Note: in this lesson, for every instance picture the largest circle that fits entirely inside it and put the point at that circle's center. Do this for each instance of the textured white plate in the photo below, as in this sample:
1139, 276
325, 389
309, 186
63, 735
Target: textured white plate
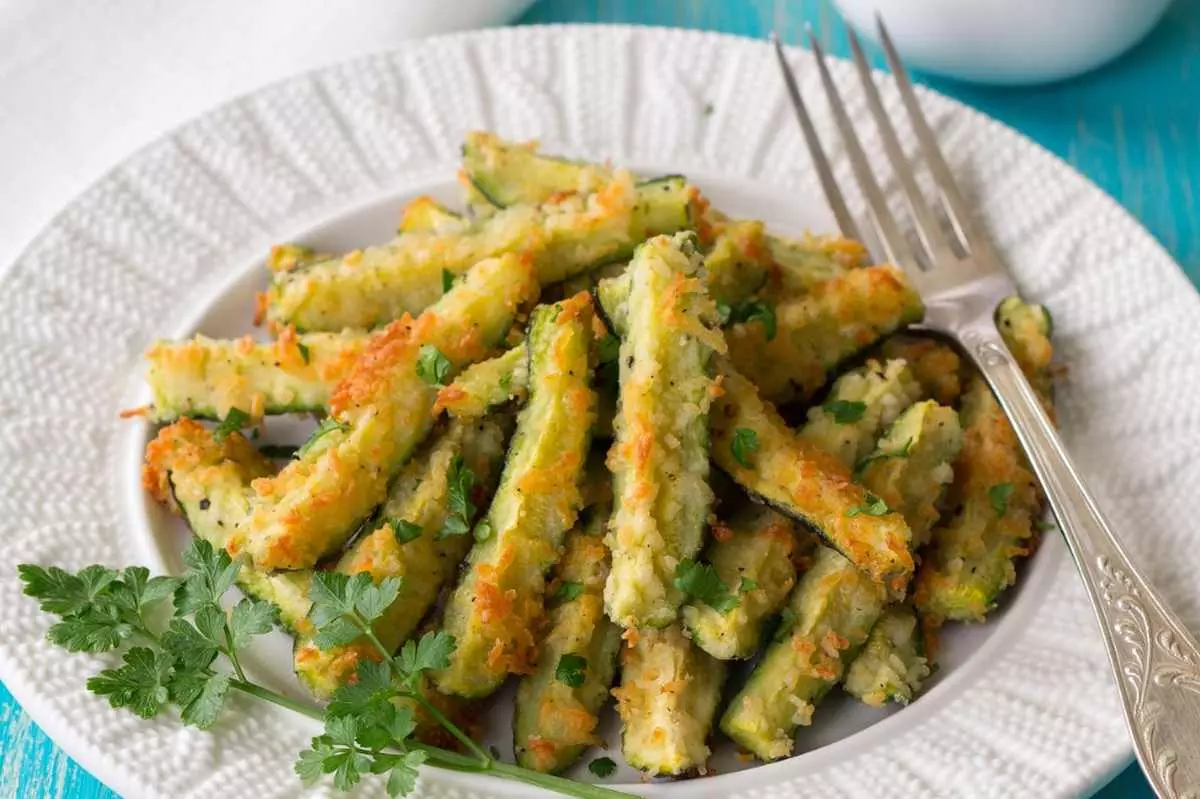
168, 242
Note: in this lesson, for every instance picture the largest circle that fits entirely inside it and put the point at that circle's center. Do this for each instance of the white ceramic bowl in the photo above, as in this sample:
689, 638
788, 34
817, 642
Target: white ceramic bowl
1007, 41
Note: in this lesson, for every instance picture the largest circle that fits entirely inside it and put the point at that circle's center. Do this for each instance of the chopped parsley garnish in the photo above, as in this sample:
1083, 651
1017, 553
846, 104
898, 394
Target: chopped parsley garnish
571, 670
568, 591
432, 366
999, 495
748, 311
845, 411
304, 351
602, 767
327, 426
234, 421
745, 444
904, 452
447, 280
747, 585
405, 530
873, 506
701, 582
461, 508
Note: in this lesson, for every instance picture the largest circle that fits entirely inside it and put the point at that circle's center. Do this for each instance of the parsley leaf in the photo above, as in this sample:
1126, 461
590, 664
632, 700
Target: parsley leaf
140, 684
210, 573
94, 630
745, 444
432, 366
402, 779
610, 348
191, 650
999, 495
746, 585
332, 610
61, 592
404, 530
602, 767
701, 582
845, 411
432, 651
447, 280
371, 600
327, 426
872, 506
748, 311
373, 681
200, 694
882, 455
249, 618
235, 420
461, 508
568, 591
143, 590
571, 670
506, 381
305, 353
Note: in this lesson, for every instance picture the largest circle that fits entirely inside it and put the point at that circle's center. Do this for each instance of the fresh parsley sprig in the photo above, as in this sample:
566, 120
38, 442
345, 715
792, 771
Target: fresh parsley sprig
180, 648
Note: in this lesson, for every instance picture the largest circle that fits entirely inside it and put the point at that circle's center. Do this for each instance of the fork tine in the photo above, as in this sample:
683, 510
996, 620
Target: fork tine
832, 193
928, 228
956, 208
893, 239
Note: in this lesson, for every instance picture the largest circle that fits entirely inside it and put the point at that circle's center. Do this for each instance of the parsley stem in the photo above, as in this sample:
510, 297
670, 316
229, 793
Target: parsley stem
567, 787
267, 695
451, 727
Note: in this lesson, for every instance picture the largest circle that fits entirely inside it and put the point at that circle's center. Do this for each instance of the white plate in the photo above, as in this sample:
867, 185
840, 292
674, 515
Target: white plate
169, 243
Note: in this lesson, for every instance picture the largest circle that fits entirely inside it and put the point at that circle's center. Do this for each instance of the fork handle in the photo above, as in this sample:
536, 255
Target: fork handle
1156, 660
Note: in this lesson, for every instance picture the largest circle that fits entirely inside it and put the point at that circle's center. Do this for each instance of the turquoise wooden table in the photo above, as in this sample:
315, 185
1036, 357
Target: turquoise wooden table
1133, 127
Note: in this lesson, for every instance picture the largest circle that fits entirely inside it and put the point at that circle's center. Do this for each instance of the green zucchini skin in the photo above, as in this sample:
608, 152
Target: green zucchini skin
667, 700
892, 665
425, 564
553, 722
753, 555
659, 459
208, 482
206, 378
369, 288
807, 483
486, 386
499, 598
834, 608
383, 408
913, 462
818, 330
507, 174
971, 559
881, 390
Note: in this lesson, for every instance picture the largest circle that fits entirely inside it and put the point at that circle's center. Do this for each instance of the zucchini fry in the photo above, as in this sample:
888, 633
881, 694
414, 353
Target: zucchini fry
207, 378
971, 559
558, 705
892, 666
936, 366
427, 215
371, 287
660, 458
498, 603
816, 331
753, 557
862, 402
801, 480
208, 483
378, 416
667, 700
486, 385
828, 617
913, 463
409, 539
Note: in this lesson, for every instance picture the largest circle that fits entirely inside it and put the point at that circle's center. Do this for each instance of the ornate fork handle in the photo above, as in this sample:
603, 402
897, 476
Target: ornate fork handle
1156, 660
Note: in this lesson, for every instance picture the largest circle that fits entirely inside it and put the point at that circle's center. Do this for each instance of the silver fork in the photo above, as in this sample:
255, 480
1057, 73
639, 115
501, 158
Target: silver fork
960, 277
